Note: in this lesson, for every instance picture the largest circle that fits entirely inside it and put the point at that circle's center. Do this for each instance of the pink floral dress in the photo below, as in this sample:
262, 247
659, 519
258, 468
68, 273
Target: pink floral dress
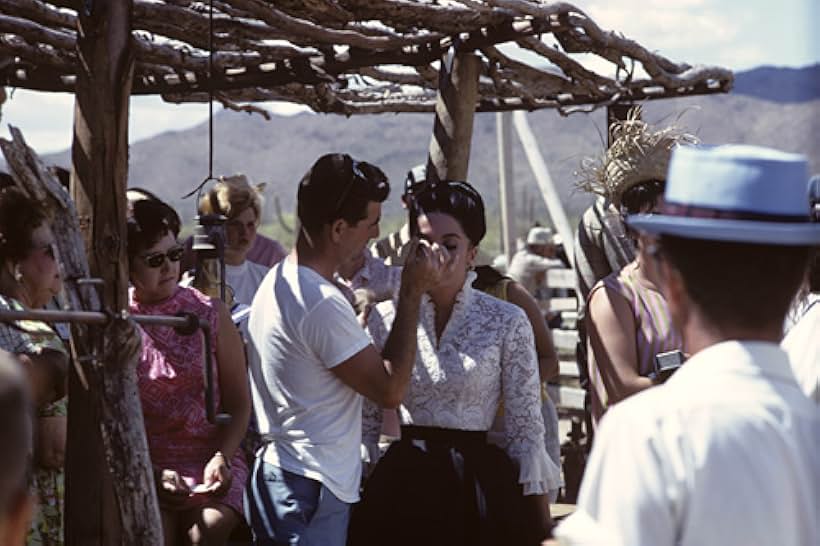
170, 375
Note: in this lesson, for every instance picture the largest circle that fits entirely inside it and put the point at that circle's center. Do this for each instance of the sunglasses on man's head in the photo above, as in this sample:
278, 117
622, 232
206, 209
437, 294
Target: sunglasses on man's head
355, 172
156, 259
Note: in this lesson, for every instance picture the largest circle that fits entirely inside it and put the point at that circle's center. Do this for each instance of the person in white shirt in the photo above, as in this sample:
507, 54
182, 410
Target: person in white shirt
530, 264
802, 341
241, 203
725, 452
443, 483
311, 361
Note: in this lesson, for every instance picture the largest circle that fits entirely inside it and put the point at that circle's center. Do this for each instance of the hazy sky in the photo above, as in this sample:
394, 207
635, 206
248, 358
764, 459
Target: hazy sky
738, 34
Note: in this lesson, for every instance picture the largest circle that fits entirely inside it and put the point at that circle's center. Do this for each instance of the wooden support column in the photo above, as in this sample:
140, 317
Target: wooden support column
506, 190
110, 494
545, 183
449, 154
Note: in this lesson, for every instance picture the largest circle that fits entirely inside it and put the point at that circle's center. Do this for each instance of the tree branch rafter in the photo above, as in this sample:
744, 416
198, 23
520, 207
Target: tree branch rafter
352, 56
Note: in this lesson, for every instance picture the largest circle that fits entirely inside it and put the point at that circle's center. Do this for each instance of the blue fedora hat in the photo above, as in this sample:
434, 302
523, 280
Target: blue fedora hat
744, 194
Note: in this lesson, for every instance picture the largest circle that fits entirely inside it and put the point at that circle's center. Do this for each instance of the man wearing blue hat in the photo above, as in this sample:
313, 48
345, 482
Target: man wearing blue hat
725, 452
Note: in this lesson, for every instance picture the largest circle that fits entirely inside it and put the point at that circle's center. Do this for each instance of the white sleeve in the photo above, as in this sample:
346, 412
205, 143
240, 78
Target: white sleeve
523, 422
629, 488
332, 331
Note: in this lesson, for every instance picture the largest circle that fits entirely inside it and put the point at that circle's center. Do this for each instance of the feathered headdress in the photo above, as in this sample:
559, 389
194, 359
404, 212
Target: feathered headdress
638, 153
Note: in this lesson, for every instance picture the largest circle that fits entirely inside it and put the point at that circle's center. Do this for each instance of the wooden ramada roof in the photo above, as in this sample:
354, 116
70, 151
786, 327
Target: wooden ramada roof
351, 56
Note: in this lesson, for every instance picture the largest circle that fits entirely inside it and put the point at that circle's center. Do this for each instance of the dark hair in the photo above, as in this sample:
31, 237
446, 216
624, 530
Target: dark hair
20, 215
814, 271
135, 194
741, 284
486, 277
150, 221
458, 199
339, 187
642, 195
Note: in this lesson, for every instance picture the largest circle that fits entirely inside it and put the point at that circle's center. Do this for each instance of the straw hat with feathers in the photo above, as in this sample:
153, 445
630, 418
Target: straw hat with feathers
639, 152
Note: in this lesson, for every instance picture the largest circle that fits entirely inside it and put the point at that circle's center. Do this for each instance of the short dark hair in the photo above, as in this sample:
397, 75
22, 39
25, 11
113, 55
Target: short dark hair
150, 221
741, 284
642, 195
339, 187
814, 271
20, 215
458, 199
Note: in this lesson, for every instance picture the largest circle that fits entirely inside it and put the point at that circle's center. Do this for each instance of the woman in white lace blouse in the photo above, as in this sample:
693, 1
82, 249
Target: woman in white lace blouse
443, 483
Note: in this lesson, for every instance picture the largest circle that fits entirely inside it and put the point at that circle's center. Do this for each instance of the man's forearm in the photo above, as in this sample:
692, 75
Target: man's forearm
399, 351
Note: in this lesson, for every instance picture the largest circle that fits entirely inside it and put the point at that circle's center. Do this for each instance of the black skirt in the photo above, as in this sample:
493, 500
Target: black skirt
443, 487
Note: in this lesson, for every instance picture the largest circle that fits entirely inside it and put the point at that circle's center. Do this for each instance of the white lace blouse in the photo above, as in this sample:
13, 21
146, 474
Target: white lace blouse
486, 355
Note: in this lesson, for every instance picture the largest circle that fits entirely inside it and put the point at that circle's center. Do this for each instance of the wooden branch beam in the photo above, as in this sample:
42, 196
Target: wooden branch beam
406, 15
42, 57
301, 30
33, 31
39, 12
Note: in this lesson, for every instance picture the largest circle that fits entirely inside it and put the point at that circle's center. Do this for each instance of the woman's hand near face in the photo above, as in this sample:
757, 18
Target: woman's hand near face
426, 265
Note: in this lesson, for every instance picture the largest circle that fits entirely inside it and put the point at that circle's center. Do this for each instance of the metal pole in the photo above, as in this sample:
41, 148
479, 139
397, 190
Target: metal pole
545, 183
95, 317
506, 190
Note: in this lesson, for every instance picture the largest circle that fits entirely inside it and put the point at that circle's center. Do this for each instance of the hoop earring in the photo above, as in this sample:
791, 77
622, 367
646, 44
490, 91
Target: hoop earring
18, 275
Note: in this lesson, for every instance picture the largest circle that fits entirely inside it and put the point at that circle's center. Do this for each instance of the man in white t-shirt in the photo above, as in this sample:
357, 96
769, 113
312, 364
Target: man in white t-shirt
725, 451
311, 361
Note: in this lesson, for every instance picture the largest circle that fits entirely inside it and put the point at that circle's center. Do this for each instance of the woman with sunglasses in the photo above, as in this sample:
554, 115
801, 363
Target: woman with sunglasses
627, 320
200, 470
443, 482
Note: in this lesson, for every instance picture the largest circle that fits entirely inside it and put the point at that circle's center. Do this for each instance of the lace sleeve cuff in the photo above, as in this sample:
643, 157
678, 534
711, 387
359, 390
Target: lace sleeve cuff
538, 474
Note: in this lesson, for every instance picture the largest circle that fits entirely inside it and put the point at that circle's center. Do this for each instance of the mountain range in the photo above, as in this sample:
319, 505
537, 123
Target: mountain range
778, 107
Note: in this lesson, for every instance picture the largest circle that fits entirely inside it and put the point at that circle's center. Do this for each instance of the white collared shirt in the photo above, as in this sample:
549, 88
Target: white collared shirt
802, 342
726, 452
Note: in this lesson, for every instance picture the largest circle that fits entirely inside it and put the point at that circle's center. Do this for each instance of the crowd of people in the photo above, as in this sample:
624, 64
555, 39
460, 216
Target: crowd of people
395, 393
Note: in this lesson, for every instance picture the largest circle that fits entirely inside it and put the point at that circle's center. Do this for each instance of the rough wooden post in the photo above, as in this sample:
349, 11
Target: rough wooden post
449, 154
506, 189
110, 495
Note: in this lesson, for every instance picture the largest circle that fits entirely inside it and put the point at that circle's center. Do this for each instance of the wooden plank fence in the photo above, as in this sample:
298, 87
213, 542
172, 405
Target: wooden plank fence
567, 394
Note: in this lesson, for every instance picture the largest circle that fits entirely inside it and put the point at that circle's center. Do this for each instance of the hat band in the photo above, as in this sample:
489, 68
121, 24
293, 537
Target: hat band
694, 211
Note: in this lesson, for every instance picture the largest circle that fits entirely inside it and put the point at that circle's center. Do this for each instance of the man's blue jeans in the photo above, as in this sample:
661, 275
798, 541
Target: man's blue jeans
285, 509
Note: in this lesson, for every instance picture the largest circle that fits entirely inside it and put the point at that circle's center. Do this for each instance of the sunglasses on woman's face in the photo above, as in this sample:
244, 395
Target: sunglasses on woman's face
156, 259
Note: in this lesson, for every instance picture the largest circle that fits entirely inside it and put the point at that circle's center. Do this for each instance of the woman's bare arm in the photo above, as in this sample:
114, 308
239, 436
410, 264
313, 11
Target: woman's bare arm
233, 382
548, 367
611, 330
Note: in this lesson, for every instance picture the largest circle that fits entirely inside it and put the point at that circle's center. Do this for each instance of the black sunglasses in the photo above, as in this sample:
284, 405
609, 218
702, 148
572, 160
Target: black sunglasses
156, 259
355, 172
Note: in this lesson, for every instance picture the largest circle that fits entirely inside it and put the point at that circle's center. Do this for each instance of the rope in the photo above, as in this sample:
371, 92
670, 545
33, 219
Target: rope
198, 190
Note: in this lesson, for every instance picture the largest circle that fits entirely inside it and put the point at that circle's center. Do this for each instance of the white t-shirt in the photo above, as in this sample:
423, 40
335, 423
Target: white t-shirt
300, 327
245, 279
802, 343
